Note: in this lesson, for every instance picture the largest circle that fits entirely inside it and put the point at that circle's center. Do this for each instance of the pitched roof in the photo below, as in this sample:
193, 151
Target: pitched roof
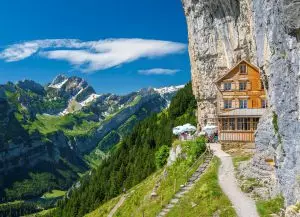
250, 64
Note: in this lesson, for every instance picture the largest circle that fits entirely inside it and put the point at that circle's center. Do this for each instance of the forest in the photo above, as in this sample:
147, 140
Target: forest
132, 160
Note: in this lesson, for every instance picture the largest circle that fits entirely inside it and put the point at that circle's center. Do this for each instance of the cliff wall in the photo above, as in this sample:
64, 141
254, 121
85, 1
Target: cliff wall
266, 33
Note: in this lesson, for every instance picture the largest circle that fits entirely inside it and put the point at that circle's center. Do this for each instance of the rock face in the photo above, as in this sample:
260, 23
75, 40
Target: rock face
220, 35
266, 33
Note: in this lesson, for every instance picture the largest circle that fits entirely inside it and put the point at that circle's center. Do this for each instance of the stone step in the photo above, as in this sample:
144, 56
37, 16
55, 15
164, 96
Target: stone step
170, 206
184, 189
179, 194
174, 201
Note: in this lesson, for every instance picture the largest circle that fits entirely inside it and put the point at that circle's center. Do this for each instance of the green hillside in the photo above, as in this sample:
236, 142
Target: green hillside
134, 158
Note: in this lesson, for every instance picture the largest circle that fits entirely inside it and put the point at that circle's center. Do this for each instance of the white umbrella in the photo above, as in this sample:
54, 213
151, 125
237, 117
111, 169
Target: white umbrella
189, 128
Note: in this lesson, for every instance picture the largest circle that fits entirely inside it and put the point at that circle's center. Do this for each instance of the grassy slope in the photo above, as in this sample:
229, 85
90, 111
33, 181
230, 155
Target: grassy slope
208, 197
205, 191
54, 194
273, 206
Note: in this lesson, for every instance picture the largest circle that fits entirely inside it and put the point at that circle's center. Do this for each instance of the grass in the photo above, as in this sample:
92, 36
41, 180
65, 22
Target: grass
71, 124
105, 209
206, 197
42, 213
135, 203
238, 159
94, 158
141, 202
249, 184
54, 194
267, 207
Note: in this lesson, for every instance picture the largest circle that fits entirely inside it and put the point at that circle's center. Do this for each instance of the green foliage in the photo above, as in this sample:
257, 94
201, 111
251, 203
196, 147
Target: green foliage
183, 106
275, 122
177, 175
161, 156
44, 177
71, 124
54, 194
37, 182
238, 159
132, 161
17, 208
276, 128
267, 207
109, 140
207, 196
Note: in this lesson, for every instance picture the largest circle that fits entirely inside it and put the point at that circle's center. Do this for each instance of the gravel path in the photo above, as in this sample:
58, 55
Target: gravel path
244, 206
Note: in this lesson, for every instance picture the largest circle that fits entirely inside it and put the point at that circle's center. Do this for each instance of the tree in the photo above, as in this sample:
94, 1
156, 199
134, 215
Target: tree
161, 156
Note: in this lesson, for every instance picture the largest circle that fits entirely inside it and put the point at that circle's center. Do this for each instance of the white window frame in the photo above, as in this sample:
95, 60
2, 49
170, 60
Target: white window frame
241, 69
243, 103
241, 83
227, 103
229, 87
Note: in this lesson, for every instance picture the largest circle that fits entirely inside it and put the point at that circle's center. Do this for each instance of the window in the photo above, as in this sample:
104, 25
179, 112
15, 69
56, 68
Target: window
243, 103
264, 103
243, 69
255, 123
228, 124
227, 86
231, 124
225, 124
243, 124
227, 104
243, 85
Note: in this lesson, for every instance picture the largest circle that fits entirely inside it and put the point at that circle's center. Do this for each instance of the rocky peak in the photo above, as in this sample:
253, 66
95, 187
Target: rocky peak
70, 88
30, 85
58, 80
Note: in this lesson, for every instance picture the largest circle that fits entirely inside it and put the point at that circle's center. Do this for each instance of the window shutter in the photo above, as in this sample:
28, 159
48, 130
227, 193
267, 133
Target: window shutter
248, 85
234, 105
233, 85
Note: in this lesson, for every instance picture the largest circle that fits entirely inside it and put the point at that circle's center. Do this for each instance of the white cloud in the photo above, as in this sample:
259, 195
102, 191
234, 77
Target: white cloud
92, 55
158, 71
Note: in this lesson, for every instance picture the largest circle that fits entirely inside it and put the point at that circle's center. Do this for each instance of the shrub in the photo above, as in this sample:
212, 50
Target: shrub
161, 156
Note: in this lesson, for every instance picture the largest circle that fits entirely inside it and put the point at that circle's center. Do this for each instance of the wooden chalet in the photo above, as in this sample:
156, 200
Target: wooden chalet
241, 102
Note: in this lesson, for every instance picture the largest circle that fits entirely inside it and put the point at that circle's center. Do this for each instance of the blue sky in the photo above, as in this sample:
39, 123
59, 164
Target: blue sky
117, 46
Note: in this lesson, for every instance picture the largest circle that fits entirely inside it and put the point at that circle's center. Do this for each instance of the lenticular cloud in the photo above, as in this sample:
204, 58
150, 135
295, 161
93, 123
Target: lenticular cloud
91, 56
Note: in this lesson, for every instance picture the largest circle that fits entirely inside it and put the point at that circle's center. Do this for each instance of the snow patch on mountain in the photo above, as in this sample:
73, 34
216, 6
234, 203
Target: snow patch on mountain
171, 89
58, 85
90, 99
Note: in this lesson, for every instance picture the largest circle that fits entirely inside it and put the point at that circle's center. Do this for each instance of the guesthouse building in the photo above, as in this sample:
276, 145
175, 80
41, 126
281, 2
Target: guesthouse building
241, 101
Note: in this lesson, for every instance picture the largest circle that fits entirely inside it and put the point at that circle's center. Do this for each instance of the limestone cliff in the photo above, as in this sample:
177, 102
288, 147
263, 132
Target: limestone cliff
266, 33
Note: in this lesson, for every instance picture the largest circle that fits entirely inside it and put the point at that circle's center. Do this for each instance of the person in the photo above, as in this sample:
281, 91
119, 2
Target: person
216, 137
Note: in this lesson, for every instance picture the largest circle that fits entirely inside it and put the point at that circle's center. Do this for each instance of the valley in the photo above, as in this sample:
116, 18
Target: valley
55, 134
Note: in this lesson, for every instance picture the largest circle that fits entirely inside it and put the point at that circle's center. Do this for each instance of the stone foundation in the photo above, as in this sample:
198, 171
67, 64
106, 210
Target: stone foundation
237, 145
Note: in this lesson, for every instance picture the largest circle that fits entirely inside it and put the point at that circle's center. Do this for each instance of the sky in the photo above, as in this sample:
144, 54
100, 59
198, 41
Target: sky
117, 46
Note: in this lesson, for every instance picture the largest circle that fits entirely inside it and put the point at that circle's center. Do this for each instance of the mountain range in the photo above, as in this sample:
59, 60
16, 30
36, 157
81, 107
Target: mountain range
52, 134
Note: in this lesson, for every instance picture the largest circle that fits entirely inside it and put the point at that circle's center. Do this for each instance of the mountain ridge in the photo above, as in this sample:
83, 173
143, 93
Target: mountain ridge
36, 134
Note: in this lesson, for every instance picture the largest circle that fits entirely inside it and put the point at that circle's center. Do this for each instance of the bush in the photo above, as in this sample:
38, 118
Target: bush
161, 156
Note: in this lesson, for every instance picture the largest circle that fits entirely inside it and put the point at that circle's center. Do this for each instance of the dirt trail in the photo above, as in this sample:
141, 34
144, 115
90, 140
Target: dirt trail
244, 206
117, 206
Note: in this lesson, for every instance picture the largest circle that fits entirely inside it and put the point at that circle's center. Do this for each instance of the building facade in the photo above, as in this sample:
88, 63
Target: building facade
241, 102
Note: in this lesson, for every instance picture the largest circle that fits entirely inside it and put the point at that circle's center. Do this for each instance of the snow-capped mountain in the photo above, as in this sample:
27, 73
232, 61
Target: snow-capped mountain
170, 89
